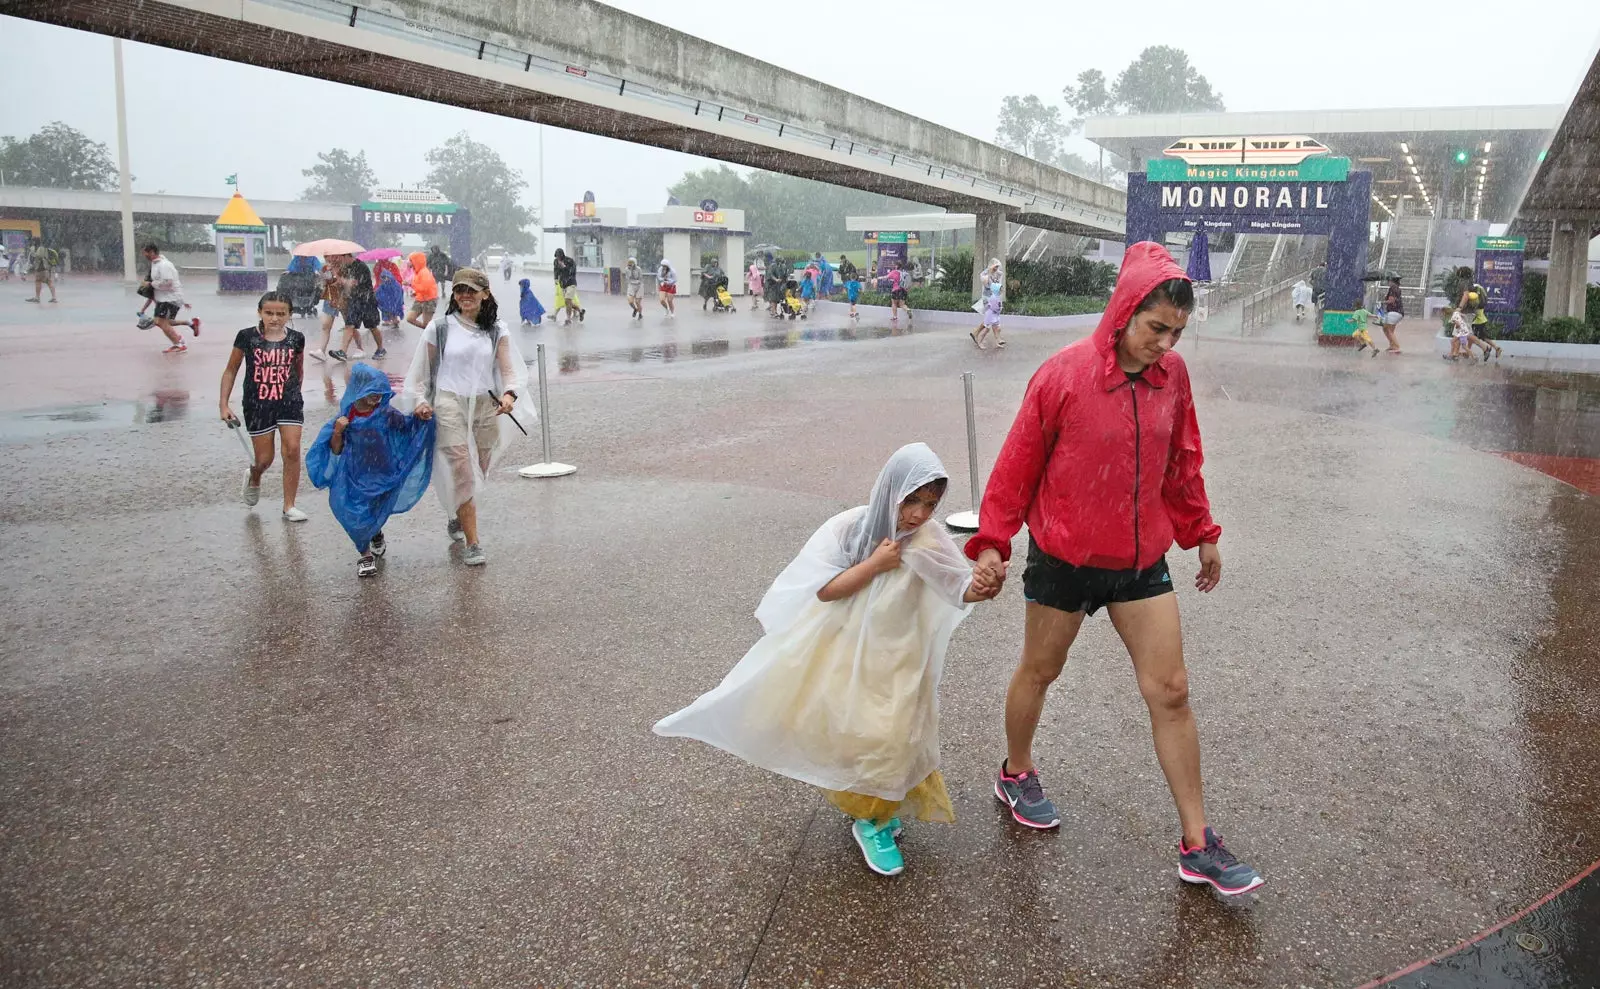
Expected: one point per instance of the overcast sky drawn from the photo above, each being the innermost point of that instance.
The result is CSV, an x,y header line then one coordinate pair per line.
x,y
194,120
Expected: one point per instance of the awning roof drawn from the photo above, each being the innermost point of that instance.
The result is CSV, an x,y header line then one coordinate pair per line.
x,y
1566,185
1379,141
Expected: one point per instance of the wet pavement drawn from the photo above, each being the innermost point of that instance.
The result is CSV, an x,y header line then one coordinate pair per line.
x,y
225,761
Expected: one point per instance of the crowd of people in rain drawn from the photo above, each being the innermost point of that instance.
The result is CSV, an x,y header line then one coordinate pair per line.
x,y
882,581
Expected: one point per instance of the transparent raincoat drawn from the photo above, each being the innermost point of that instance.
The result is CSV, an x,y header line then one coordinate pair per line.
x,y
471,437
844,694
385,464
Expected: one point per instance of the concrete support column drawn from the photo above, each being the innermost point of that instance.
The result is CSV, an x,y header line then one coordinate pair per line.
x,y
1578,273
1567,249
678,248
988,242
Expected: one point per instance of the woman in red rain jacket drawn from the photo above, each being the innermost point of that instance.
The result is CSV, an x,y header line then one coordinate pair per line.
x,y
1103,463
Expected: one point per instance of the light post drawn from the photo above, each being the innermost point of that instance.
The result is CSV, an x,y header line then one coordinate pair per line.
x,y
125,180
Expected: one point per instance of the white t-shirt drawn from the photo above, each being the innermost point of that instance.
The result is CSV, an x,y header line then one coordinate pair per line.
x,y
467,367
164,279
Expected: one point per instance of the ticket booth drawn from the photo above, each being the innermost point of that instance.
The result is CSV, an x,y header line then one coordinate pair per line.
x,y
241,248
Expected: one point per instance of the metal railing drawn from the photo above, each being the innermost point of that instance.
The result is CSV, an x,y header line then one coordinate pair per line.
x,y
1263,307
355,15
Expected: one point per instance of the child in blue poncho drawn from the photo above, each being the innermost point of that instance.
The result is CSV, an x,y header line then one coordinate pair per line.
x,y
391,297
532,311
374,460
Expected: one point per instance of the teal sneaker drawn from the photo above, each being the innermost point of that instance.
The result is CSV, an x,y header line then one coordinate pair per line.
x,y
896,828
878,848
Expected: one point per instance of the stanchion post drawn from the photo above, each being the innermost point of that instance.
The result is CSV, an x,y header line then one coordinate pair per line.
x,y
968,521
545,467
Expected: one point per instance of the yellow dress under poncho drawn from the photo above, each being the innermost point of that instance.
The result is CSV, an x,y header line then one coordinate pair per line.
x,y
844,694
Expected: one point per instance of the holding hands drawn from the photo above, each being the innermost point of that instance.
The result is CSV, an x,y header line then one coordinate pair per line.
x,y
988,577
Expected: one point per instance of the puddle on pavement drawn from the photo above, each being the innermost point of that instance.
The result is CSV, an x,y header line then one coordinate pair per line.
x,y
571,361
327,381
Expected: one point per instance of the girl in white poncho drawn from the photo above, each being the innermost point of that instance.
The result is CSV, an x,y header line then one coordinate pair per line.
x,y
842,691
469,371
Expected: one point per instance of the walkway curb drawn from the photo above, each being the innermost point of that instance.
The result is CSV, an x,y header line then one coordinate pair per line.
x,y
956,317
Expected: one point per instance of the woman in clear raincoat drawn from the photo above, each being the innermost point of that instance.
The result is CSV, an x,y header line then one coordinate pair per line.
x,y
842,690
469,372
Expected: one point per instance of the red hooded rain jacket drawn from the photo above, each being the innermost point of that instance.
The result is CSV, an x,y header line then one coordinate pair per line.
x,y
1104,469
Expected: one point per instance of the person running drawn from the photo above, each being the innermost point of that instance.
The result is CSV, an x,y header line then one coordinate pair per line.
x,y
42,265
169,299
390,294
468,372
273,357
388,468
899,292
505,268
852,287
1394,310
1474,300
989,304
841,692
360,312
1103,463
808,289
566,275
424,291
754,283
332,300
633,280
667,288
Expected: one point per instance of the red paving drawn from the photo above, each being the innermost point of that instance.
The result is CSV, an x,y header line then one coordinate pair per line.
x,y
1582,473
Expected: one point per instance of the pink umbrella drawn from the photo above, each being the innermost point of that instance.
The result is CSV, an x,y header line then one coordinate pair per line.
x,y
380,254
326,247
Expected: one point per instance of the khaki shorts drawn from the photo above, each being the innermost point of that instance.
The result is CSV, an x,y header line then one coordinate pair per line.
x,y
451,411
424,307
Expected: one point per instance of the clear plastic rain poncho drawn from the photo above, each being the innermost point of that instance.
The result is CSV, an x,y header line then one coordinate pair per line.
x,y
844,694
385,464
457,381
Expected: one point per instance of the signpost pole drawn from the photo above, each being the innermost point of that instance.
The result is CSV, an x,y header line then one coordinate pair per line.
x,y
968,521
546,467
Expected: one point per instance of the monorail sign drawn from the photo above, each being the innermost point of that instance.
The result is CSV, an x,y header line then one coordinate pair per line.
x,y
1324,199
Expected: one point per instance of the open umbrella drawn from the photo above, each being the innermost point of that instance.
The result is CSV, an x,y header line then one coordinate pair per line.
x,y
380,254
1199,267
326,247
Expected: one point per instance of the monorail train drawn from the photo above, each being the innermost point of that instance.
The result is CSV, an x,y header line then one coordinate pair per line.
x,y
1282,150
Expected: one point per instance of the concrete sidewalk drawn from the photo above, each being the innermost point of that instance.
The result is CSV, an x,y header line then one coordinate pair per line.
x,y
225,761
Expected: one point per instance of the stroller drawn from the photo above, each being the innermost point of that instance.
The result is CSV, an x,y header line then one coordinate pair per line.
x,y
792,305
301,285
723,300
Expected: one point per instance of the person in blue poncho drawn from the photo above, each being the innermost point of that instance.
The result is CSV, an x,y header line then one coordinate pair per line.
x,y
532,311
391,297
375,461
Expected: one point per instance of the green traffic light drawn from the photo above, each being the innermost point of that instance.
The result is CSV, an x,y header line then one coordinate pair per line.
x,y
1462,157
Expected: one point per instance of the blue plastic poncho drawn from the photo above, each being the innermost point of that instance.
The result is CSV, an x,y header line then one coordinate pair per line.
x,y
386,463
391,297
532,311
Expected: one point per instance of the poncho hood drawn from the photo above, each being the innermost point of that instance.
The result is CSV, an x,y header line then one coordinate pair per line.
x,y
1144,266
365,380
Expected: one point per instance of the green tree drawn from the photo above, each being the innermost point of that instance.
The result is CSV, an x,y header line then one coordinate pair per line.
x,y
339,177
474,176
1160,80
57,156
1030,128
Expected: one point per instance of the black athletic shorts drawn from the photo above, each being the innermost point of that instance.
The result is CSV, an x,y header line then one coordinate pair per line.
x,y
264,417
363,315
898,294
1057,584
167,310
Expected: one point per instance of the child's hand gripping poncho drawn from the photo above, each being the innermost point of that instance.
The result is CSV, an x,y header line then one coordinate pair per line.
x,y
385,465
844,694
